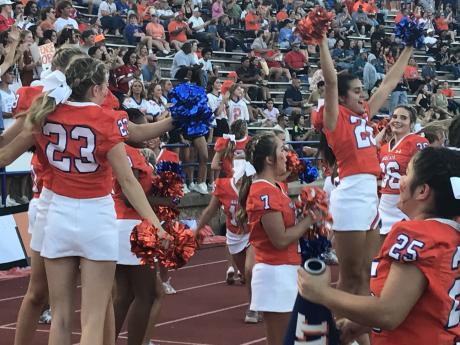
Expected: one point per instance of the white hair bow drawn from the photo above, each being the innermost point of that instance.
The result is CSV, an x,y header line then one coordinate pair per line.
x,y
56,86
230,137
455,182
242,167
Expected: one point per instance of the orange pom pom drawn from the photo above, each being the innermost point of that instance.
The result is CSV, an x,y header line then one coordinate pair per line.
x,y
313,27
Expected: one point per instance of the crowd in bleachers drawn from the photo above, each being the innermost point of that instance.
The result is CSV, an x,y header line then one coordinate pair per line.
x,y
246,53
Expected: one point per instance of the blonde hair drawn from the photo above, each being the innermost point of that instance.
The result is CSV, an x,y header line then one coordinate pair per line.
x,y
81,75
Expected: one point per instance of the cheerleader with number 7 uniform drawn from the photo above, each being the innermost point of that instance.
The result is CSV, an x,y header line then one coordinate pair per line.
x,y
269,214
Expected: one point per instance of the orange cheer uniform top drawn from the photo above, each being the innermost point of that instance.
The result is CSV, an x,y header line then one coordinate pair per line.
x,y
394,161
145,173
76,138
167,156
225,190
265,197
40,171
433,246
110,101
238,151
353,144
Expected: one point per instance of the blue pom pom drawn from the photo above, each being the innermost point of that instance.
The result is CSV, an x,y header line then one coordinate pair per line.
x,y
410,32
164,166
190,110
314,248
311,172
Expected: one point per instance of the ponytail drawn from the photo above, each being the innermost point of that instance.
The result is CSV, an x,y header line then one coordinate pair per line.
x,y
239,128
39,110
241,215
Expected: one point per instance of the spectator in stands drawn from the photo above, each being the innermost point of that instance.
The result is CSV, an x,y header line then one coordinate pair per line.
x,y
343,21
45,3
251,75
233,11
96,53
178,30
67,37
286,34
134,33
399,95
160,107
453,106
208,70
185,64
65,21
317,94
370,75
87,37
259,45
252,21
48,17
187,9
270,113
217,9
126,73
31,13
429,70
6,19
155,30
423,99
276,65
442,27
282,125
137,99
292,99
342,60
198,27
430,41
49,36
443,62
440,104
109,17
164,12
151,72
218,105
237,107
123,7
412,76
362,21
360,62
299,131
296,60
231,40
166,86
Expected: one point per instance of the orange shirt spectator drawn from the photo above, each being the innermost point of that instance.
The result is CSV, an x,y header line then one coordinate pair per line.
x,y
411,72
281,15
441,24
365,5
252,22
155,30
449,93
6,23
173,26
295,59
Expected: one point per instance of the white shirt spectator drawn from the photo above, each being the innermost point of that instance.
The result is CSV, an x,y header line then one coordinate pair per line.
x,y
237,111
214,103
207,65
182,59
62,23
271,115
157,109
144,106
287,135
195,22
105,6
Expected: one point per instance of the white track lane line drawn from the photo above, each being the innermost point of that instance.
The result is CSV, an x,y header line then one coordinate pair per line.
x,y
255,341
200,265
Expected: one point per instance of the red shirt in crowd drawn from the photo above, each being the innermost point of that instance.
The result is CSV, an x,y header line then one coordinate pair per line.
x,y
295,60
5,23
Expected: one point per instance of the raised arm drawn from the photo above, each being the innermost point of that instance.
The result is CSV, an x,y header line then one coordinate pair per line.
x,y
16,147
140,133
389,82
331,94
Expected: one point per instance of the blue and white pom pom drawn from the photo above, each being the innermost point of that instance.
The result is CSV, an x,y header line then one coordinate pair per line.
x,y
190,110
410,32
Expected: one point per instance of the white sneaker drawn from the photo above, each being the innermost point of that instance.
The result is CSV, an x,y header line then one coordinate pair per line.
x,y
11,202
169,290
185,189
45,318
230,278
24,200
191,186
251,316
165,52
201,188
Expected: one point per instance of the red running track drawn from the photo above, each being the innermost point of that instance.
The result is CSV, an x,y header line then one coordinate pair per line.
x,y
204,311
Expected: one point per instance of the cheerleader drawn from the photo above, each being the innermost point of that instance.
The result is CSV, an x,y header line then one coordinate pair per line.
x,y
354,203
394,157
414,278
230,147
225,195
270,217
135,283
80,232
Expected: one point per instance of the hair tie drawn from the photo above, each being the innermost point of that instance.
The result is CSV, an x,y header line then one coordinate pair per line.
x,y
453,148
242,167
55,85
230,137
455,182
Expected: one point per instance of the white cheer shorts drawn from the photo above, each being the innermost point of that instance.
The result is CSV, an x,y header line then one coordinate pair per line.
x,y
354,203
81,227
38,222
125,256
274,288
237,243
389,212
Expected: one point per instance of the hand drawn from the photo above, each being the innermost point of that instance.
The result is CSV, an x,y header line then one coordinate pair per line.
x,y
13,35
350,331
313,287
